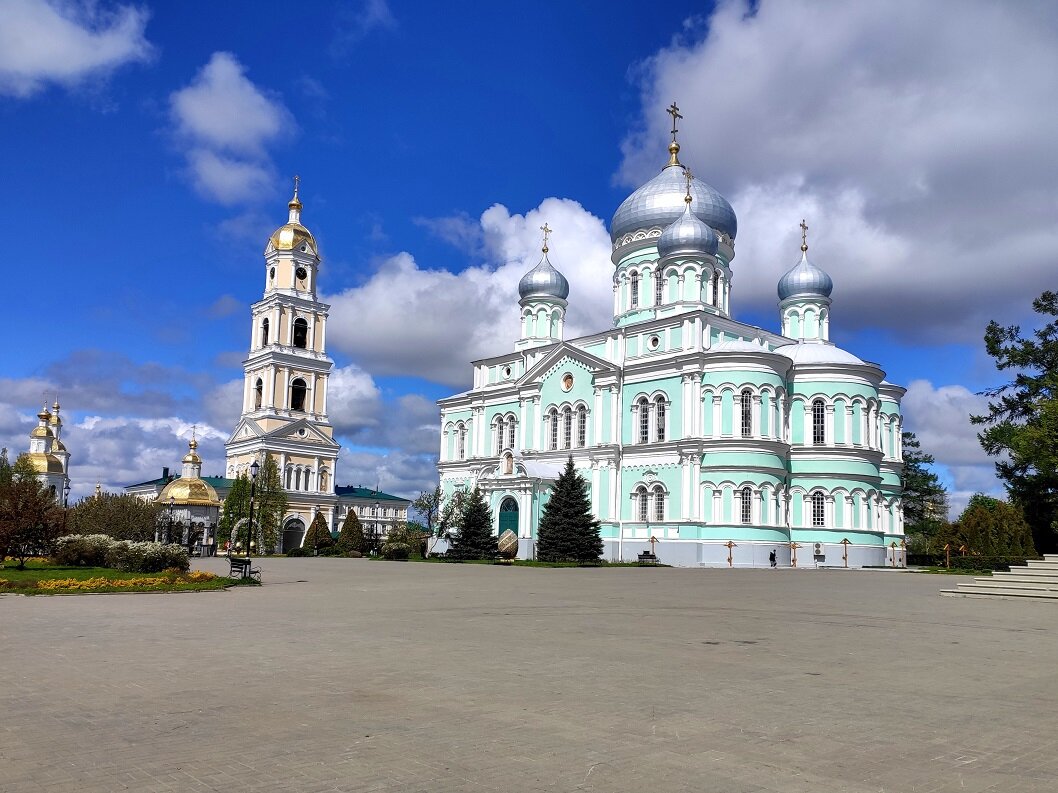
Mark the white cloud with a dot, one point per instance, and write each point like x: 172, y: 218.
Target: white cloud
x: 66, y: 43
x: 461, y: 316
x: 224, y: 124
x: 354, y: 21
x: 922, y: 159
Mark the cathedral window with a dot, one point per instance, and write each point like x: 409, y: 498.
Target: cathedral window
x: 298, y: 389
x: 818, y: 511
x: 643, y: 504
x: 499, y: 435
x: 747, y: 413
x: 659, y: 504
x: 461, y: 452
x: 635, y: 290
x: 510, y: 432
x: 819, y: 416
x: 659, y: 287
x: 567, y: 428
x: 264, y: 333
x: 582, y: 426
x: 746, y: 505
x: 644, y: 420
x: 553, y: 439
x: 716, y: 288
x: 659, y: 406
x: 297, y: 479
x: 258, y: 394
x: 301, y: 333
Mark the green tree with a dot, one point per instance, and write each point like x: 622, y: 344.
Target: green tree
x: 269, y: 505
x: 568, y: 531
x: 400, y: 542
x: 318, y: 536
x: 1021, y: 427
x: 474, y: 538
x: 30, y: 519
x: 118, y: 515
x: 236, y: 508
x: 351, y: 537
x: 428, y: 504
x: 451, y: 512
x: 990, y: 527
x: 924, y: 498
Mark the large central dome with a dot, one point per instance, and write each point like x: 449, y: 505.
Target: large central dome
x: 659, y: 203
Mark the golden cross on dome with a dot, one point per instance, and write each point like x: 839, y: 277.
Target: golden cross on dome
x: 804, y: 236
x: 674, y: 111
x: 547, y: 233
x: 690, y: 178
x: 194, y: 428
x: 297, y: 181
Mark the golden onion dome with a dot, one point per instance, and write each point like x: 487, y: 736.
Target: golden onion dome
x: 44, y: 463
x: 291, y: 236
x: 192, y: 455
x: 59, y: 447
x: 41, y: 432
x: 189, y: 491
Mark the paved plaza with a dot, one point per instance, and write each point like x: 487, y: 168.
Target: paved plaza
x: 352, y: 675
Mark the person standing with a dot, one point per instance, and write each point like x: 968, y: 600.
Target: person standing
x: 771, y: 558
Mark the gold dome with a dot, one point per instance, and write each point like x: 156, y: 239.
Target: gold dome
x: 41, y: 432
x: 290, y: 236
x: 44, y: 463
x: 189, y: 491
x: 192, y: 455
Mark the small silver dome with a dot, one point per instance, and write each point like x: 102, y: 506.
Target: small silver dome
x: 805, y: 279
x: 543, y: 280
x: 687, y: 235
x: 660, y: 203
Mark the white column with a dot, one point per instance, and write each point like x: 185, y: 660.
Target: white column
x: 717, y: 425
x: 829, y: 429
x: 615, y: 498
x: 696, y: 407
x: 323, y: 385
x: 522, y: 426
x: 596, y: 419
x: 534, y: 409
x: 615, y: 416
x: 685, y: 499
x: 755, y: 416
x: 595, y: 487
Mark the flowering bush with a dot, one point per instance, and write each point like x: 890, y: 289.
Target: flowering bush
x: 147, y: 557
x: 82, y: 549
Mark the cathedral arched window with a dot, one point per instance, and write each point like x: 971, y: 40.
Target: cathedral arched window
x: 582, y: 426
x: 747, y: 413
x: 499, y: 435
x: 659, y: 503
x: 258, y: 394
x: 510, y: 432
x: 290, y: 478
x: 553, y: 439
x: 298, y: 389
x: 819, y: 418
x: 659, y: 407
x: 635, y: 290
x: 643, y: 504
x: 818, y: 509
x: 716, y: 288
x: 746, y: 505
x: 644, y: 420
x: 659, y: 287
x: 264, y: 333
x: 461, y: 438
x: 567, y: 428
x: 297, y: 479
x: 301, y: 333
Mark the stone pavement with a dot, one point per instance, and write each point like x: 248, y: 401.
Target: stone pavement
x: 351, y: 675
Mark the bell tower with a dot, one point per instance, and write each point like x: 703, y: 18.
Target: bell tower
x: 284, y: 404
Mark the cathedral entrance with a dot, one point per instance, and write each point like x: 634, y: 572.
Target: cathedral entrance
x: 508, y: 515
x: 293, y: 534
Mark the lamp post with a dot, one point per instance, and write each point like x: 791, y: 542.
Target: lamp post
x: 376, y: 533
x: 65, y: 503
x: 254, y: 469
x: 316, y: 534
x: 169, y: 527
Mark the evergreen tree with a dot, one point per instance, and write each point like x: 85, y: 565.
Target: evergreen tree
x: 1022, y: 420
x: 989, y: 527
x: 318, y: 536
x: 474, y: 538
x: 351, y: 537
x: 269, y: 505
x: 568, y: 531
x: 924, y: 498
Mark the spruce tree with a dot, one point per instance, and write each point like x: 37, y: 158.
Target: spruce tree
x: 351, y: 537
x: 475, y: 539
x: 568, y: 532
x: 318, y: 536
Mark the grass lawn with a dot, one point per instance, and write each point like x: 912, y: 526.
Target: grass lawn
x: 42, y: 578
x: 952, y: 571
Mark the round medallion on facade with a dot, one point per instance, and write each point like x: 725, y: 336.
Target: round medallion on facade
x: 567, y: 381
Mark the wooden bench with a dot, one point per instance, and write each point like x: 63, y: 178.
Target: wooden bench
x: 243, y: 568
x: 646, y: 557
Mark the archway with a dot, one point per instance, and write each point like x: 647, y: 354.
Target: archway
x: 293, y: 534
x: 508, y: 515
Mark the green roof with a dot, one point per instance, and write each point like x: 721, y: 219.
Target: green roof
x: 367, y: 493
x: 213, y: 481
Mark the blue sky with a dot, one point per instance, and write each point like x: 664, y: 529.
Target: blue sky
x: 148, y: 151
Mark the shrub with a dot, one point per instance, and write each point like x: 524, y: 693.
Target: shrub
x: 147, y: 557
x: 353, y: 555
x: 987, y: 562
x: 297, y: 552
x: 82, y: 549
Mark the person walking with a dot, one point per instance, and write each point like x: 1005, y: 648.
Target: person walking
x: 771, y: 558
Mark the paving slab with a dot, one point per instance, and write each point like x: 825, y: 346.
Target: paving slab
x: 355, y: 675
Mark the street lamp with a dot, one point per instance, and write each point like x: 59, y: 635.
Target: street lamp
x: 169, y: 528
x: 377, y: 533
x: 65, y: 503
x: 254, y: 469
x: 316, y: 534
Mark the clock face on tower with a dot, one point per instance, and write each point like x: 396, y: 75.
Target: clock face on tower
x: 301, y: 273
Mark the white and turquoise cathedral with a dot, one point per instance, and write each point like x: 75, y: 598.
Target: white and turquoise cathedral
x: 719, y: 441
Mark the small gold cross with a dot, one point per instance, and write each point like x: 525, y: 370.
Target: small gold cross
x: 674, y: 111
x: 547, y: 233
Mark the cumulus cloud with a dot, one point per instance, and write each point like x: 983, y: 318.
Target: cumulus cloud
x: 66, y: 43
x: 472, y: 314
x: 224, y: 124
x: 922, y: 161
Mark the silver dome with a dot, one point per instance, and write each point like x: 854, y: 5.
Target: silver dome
x: 543, y: 280
x: 805, y: 279
x: 660, y: 203
x: 687, y: 235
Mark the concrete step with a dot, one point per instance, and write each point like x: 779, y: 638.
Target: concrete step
x: 1050, y: 586
x: 971, y: 590
x: 1043, y: 579
x: 1042, y: 564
